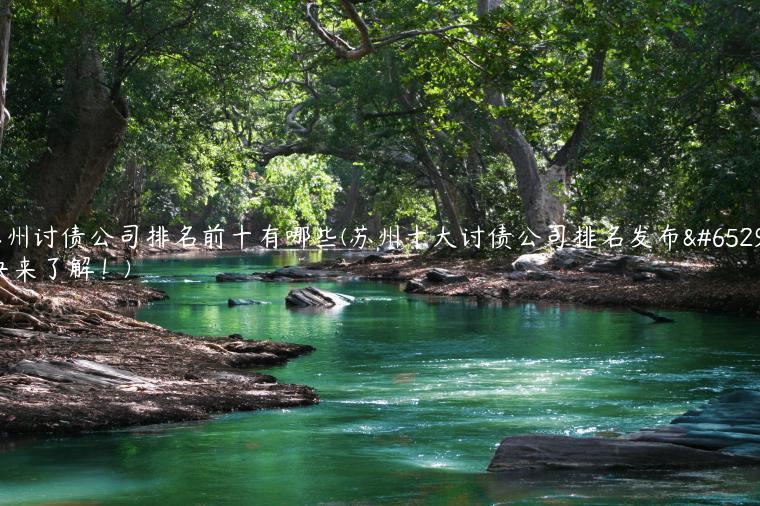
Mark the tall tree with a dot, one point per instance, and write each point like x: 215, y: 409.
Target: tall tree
x: 5, y: 41
x: 541, y: 191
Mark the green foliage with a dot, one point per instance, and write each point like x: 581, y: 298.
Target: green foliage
x: 296, y: 191
x: 215, y: 87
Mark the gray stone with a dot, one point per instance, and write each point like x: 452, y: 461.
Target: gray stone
x: 445, y: 276
x: 531, y: 262
x: 314, y: 297
x: 540, y: 275
x: 245, y: 302
x: 227, y: 277
x: 544, y: 452
x: 573, y: 258
x: 414, y: 286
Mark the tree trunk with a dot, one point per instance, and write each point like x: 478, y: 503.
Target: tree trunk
x: 448, y: 209
x: 447, y: 206
x: 352, y: 200
x: 87, y: 130
x: 541, y: 194
x: 5, y: 40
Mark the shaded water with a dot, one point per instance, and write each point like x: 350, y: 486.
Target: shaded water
x: 416, y: 394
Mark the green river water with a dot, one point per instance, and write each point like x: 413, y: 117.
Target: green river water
x: 416, y: 393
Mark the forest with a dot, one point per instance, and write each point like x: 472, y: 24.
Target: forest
x: 441, y: 113
x: 490, y: 252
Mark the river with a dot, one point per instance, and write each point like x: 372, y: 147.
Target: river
x: 416, y: 393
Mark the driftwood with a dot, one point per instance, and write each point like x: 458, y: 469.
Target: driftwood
x: 655, y: 317
x: 314, y: 297
x: 78, y: 371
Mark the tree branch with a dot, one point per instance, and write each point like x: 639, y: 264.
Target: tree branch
x: 344, y: 50
x: 569, y: 151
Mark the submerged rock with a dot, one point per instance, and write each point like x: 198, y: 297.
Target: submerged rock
x: 245, y: 302
x: 227, y: 277
x: 314, y: 297
x: 298, y: 274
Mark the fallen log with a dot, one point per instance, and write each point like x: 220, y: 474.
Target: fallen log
x: 655, y: 317
x: 78, y: 371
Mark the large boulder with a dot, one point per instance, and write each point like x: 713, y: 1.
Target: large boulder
x: 723, y: 432
x: 531, y: 262
x: 573, y: 258
x: 544, y: 452
x: 730, y: 424
x: 592, y: 261
x: 314, y: 297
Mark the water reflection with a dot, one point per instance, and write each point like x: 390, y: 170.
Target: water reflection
x: 416, y: 393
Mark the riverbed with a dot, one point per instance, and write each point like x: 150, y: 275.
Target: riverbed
x: 416, y: 393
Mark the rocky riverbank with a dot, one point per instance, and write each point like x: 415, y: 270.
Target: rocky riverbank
x: 69, y: 363
x: 608, y: 282
x: 723, y: 432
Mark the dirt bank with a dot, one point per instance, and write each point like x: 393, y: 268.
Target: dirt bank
x: 68, y: 363
x: 697, y: 288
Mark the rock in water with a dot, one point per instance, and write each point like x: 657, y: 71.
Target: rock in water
x: 445, y: 276
x: 723, y: 432
x: 729, y: 424
x: 245, y: 302
x: 290, y: 274
x: 314, y: 297
x: 414, y: 286
x: 227, y: 277
x: 543, y: 452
